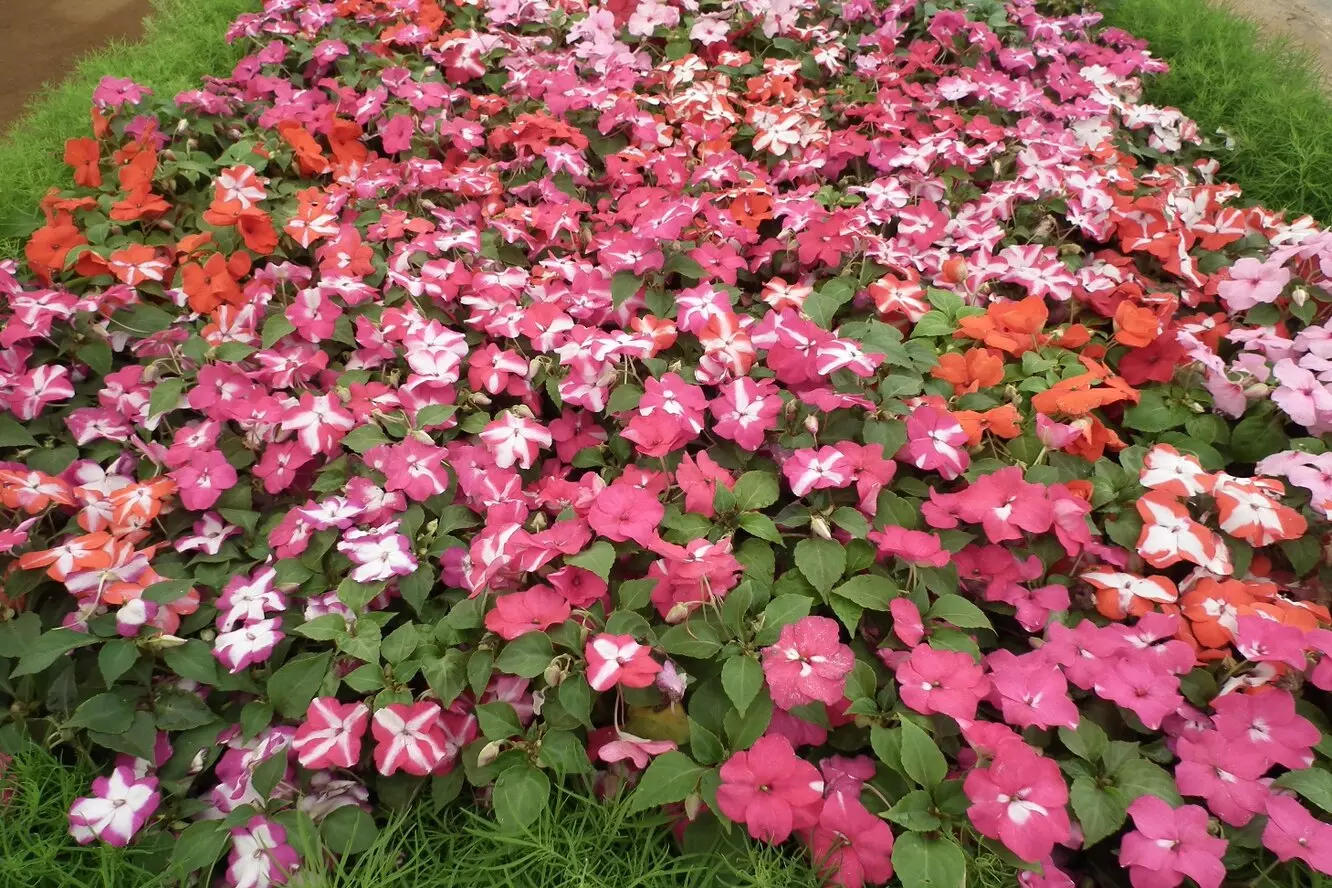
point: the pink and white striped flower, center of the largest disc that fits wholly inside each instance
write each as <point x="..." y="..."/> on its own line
<point x="330" y="736"/>
<point x="409" y="738"/>
<point x="118" y="808"/>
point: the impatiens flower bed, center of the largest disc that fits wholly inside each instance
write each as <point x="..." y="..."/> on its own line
<point x="865" y="426"/>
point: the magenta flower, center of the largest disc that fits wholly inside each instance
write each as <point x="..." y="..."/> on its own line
<point x="622" y="513"/>
<point x="745" y="411"/>
<point x="619" y="660"/>
<point x="1292" y="833"/>
<point x="250" y="644"/>
<point x="771" y="790"/>
<point x="330" y="736"/>
<point x="946" y="682"/>
<point x="907" y="623"/>
<point x="1169" y="844"/>
<point x="808" y="663"/>
<point x="850" y="845"/>
<point x="611" y="745"/>
<point x="1267" y="725"/>
<point x="378" y="554"/>
<point x="935" y="442"/>
<point x="1225" y="774"/>
<point x="118" y="808"/>
<point x="1031" y="691"/>
<point x="409" y="738"/>
<point x="260" y="856"/>
<point x="1020" y="800"/>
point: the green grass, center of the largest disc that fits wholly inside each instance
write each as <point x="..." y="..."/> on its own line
<point x="578" y="843"/>
<point x="183" y="40"/>
<point x="1266" y="94"/>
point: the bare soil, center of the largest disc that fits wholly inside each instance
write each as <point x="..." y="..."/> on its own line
<point x="1307" y="23"/>
<point x="40" y="41"/>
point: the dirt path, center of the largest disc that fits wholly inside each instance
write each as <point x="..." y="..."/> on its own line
<point x="40" y="40"/>
<point x="1306" y="22"/>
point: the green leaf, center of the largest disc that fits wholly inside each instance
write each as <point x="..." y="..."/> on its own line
<point x="275" y="328"/>
<point x="785" y="610"/>
<point x="521" y="795"/>
<point x="1303" y="553"/>
<point x="447" y="675"/>
<point x="1088" y="742"/>
<point x="870" y="591"/>
<point x="1256" y="436"/>
<point x="1100" y="813"/>
<point x="295" y="683"/>
<point x="1153" y="414"/>
<point x="1139" y="777"/>
<point x="498" y="720"/>
<point x="178" y="710"/>
<point x="193" y="660"/>
<point x="362" y="438"/>
<point x="929" y="863"/>
<point x="1314" y="784"/>
<point x="167" y="591"/>
<point x="742" y="677"/>
<point x="199" y="845"/>
<point x="166" y="396"/>
<point x="47" y="649"/>
<point x="144" y="319"/>
<point x="115" y="659"/>
<point x="921" y="758"/>
<point x="822" y="305"/>
<point x="669" y="778"/>
<point x="821" y="561"/>
<point x="623" y="287"/>
<point x="693" y="638"/>
<point x="598" y="558"/>
<point x="14" y="435"/>
<point x="705" y="745"/>
<point x="108" y="713"/>
<point x="933" y="323"/>
<point x="761" y="526"/>
<point x="400" y="643"/>
<point x="851" y="521"/>
<point x="959" y="612"/>
<point x="755" y="490"/>
<point x="348" y="830"/>
<point x="527" y="656"/>
<point x="434" y="414"/>
<point x="564" y="753"/>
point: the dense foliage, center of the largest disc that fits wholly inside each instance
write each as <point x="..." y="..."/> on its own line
<point x="862" y="425"/>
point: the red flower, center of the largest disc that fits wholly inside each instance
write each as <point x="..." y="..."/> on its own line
<point x="770" y="789"/>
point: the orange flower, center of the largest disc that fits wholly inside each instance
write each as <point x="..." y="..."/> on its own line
<point x="84" y="157"/>
<point x="139" y="204"/>
<point x="1002" y="422"/>
<point x="751" y="208"/>
<point x="256" y="229"/>
<point x="1135" y="326"/>
<point x="1094" y="440"/>
<point x="979" y="368"/>
<point x="211" y="284"/>
<point x="1012" y="327"/>
<point x="1078" y="396"/>
<point x="310" y="159"/>
<point x="48" y="247"/>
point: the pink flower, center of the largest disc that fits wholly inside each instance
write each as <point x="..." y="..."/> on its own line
<point x="935" y="442"/>
<point x="250" y="644"/>
<point x="808" y="663"/>
<point x="379" y="554"/>
<point x="1252" y="282"/>
<point x="907" y="623"/>
<point x="1264" y="640"/>
<point x="409" y="738"/>
<point x="1142" y="686"/>
<point x="118" y="808"/>
<point x="1031" y="691"/>
<point x="330" y="736"/>
<point x="771" y="790"/>
<point x="203" y="479"/>
<point x="1266" y="723"/>
<point x="532" y="610"/>
<point x="947" y="682"/>
<point x="698" y="477"/>
<point x="513" y="440"/>
<point x="260" y="856"/>
<point x="610" y="746"/>
<point x="807" y="470"/>
<point x="745" y="411"/>
<point x="1169" y="844"/>
<point x="622" y="513"/>
<point x="1226" y="775"/>
<point x="619" y="660"/>
<point x="1292" y="833"/>
<point x="851" y="845"/>
<point x="1002" y="503"/>
<point x="911" y="546"/>
<point x="1020" y="800"/>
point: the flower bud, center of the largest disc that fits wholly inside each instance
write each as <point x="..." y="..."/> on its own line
<point x="693" y="803"/>
<point x="489" y="753"/>
<point x="812" y="424"/>
<point x="554" y="674"/>
<point x="538" y="702"/>
<point x="1300" y="296"/>
<point x="820" y="527"/>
